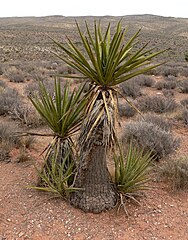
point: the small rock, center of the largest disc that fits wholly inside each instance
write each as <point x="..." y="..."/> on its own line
<point x="21" y="234"/>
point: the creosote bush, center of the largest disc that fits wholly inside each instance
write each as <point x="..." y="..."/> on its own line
<point x="152" y="136"/>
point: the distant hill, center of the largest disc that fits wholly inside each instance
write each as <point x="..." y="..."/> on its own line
<point x="27" y="35"/>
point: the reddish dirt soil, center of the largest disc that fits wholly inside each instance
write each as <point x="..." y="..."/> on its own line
<point x="28" y="214"/>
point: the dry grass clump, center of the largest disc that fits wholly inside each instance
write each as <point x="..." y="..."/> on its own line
<point x="176" y="172"/>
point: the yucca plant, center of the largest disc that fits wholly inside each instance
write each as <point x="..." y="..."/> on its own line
<point x="132" y="173"/>
<point x="105" y="61"/>
<point x="64" y="115"/>
<point x="132" y="170"/>
<point x="57" y="177"/>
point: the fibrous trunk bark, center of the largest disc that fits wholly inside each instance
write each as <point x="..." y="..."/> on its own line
<point x="97" y="190"/>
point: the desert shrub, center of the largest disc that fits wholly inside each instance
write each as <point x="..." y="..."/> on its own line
<point x="126" y="110"/>
<point x="157" y="104"/>
<point x="130" y="89"/>
<point x="144" y="80"/>
<point x="151" y="137"/>
<point x="160" y="85"/>
<point x="33" y="88"/>
<point x="1" y="70"/>
<point x="184" y="72"/>
<point x="176" y="172"/>
<point x="185" y="116"/>
<point x="7" y="139"/>
<point x="170" y="85"/>
<point x="169" y="70"/>
<point x="27" y="115"/>
<point x="165" y="84"/>
<point x="170" y="78"/>
<point x="168" y="93"/>
<point x="14" y="75"/>
<point x="2" y="84"/>
<point x="183" y="86"/>
<point x="157" y="120"/>
<point x="186" y="57"/>
<point x="184" y="103"/>
<point x="9" y="98"/>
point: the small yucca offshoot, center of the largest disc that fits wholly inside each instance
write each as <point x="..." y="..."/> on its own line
<point x="57" y="177"/>
<point x="132" y="171"/>
<point x="63" y="115"/>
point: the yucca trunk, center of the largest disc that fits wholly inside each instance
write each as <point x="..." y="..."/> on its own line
<point x="98" y="192"/>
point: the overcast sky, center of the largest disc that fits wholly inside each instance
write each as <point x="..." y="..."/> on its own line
<point x="172" y="8"/>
